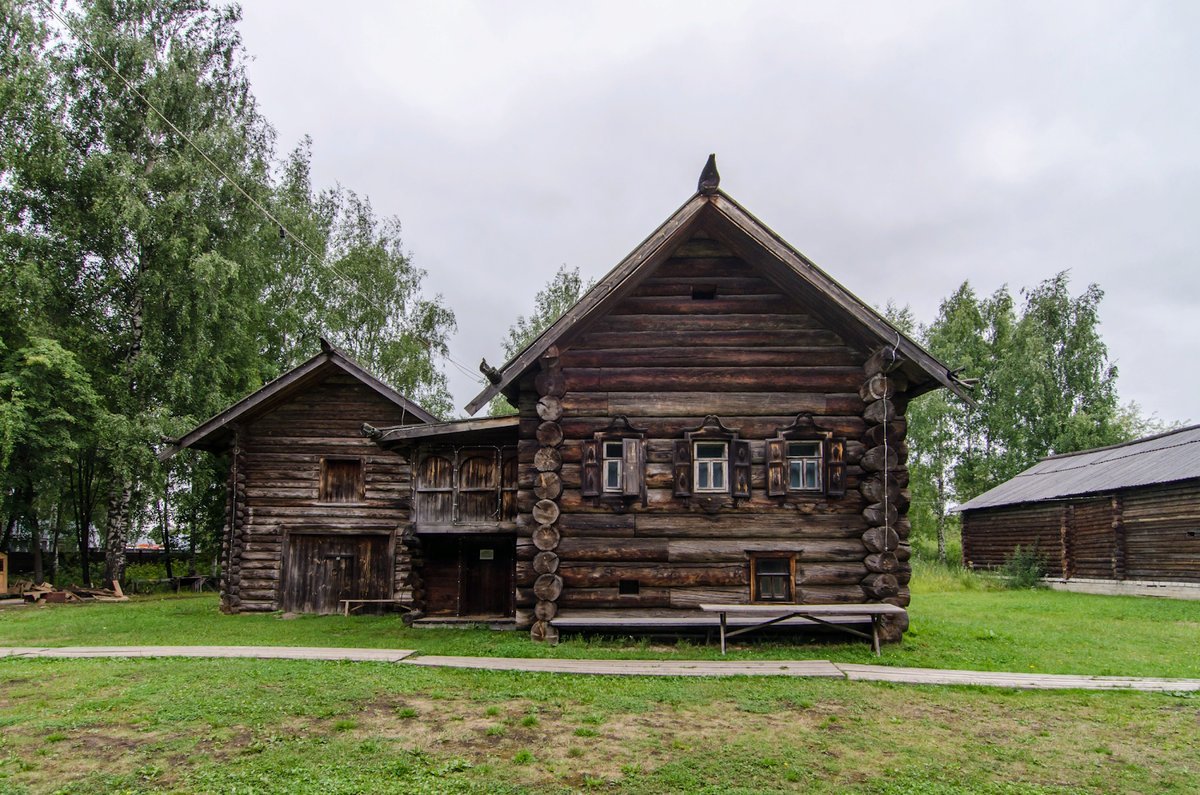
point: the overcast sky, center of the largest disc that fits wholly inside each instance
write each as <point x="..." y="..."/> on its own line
<point x="904" y="147"/>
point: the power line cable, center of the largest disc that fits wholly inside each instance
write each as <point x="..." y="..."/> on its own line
<point x="234" y="183"/>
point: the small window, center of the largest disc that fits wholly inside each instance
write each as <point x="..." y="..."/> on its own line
<point x="706" y="293"/>
<point x="611" y="466"/>
<point x="628" y="588"/>
<point x="711" y="461"/>
<point x="804" y="466"/>
<point x="773" y="577"/>
<point x="341" y="480"/>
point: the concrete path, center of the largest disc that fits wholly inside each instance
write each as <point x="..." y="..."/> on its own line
<point x="807" y="668"/>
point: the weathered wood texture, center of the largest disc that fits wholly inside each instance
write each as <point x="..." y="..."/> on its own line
<point x="1149" y="533"/>
<point x="704" y="333"/>
<point x="989" y="537"/>
<point x="276" y="500"/>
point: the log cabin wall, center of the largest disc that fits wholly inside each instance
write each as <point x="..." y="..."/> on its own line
<point x="1149" y="533"/>
<point x="705" y="333"/>
<point x="277" y="496"/>
<point x="990" y="536"/>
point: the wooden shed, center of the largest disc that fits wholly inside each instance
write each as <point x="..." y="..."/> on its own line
<point x="314" y="509"/>
<point x="716" y="421"/>
<point x="1129" y="512"/>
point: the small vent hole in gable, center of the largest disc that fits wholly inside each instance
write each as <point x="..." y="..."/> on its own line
<point x="628" y="588"/>
<point x="706" y="293"/>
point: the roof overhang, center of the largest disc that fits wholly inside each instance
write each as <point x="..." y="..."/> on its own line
<point x="489" y="430"/>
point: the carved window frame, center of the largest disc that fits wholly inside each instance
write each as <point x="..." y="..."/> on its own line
<point x="833" y="460"/>
<point x="737" y="472"/>
<point x="595" y="459"/>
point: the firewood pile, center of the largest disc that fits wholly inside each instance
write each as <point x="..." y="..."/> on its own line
<point x="48" y="594"/>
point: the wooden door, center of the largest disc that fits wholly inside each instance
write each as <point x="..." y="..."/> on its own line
<point x="487" y="581"/>
<point x="321" y="570"/>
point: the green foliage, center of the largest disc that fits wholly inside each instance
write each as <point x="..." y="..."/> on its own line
<point x="1023" y="568"/>
<point x="1044" y="385"/>
<point x="562" y="292"/>
<point x="141" y="289"/>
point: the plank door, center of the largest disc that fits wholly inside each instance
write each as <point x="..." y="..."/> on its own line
<point x="487" y="582"/>
<point x="321" y="570"/>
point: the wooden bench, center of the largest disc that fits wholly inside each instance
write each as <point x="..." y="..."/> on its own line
<point x="404" y="604"/>
<point x="820" y="614"/>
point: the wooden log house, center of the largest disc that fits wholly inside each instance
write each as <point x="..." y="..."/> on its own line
<point x="313" y="508"/>
<point x="1119" y="514"/>
<point x="716" y="421"/>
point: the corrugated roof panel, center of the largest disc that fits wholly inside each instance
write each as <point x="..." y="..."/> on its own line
<point x="1163" y="458"/>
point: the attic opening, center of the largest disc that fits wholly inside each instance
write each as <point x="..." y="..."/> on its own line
<point x="704" y="292"/>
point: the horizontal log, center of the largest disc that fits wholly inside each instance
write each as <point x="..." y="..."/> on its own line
<point x="611" y="597"/>
<point x="729" y="551"/>
<point x="671" y="358"/>
<point x="647" y="550"/>
<point x="576" y="575"/>
<point x="713" y="379"/>
<point x="684" y="404"/>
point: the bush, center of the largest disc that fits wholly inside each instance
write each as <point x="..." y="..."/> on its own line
<point x="1023" y="569"/>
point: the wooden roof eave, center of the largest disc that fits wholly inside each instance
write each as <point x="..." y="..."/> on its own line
<point x="456" y="430"/>
<point x="731" y="217"/>
<point x="614" y="285"/>
<point x="210" y="433"/>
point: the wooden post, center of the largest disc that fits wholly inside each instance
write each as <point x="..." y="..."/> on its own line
<point x="3" y="573"/>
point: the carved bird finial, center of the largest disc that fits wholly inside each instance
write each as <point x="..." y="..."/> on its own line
<point x="492" y="373"/>
<point x="710" y="180"/>
<point x="326" y="345"/>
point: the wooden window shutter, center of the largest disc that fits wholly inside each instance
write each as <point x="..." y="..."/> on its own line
<point x="590" y="484"/>
<point x="633" y="465"/>
<point x="739" y="459"/>
<point x="682" y="461"/>
<point x="835" y="468"/>
<point x="777" y="467"/>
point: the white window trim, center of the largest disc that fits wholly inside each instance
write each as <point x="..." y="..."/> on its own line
<point x="819" y="458"/>
<point x="605" y="459"/>
<point x="697" y="462"/>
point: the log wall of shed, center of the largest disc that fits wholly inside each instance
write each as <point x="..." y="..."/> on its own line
<point x="704" y="333"/>
<point x="1149" y="533"/>
<point x="276" y="478"/>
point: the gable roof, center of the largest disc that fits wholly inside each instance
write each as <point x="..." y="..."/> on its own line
<point x="214" y="434"/>
<point x="1163" y="458"/>
<point x="716" y="213"/>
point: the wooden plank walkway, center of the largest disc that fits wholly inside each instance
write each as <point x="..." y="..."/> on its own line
<point x="798" y="668"/>
<point x="1023" y="681"/>
<point x="638" y="667"/>
<point x="253" y="652"/>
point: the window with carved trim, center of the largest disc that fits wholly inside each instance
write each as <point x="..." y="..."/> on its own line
<point x="613" y="462"/>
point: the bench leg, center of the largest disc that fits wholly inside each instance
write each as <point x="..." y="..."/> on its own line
<point x="875" y="635"/>
<point x="722" y="633"/>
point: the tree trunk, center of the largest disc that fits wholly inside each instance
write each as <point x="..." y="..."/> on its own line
<point x="118" y="532"/>
<point x="166" y="537"/>
<point x="55" y="535"/>
<point x="83" y="497"/>
<point x="8" y="530"/>
<point x="940" y="507"/>
<point x="35" y="541"/>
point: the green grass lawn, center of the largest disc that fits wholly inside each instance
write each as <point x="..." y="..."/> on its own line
<point x="250" y="726"/>
<point x="960" y="627"/>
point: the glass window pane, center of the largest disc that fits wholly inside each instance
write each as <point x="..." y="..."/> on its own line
<point x="794" y="480"/>
<point x="774" y="566"/>
<point x="702" y="477"/>
<point x="710" y="450"/>
<point x="718" y="474"/>
<point x="612" y="474"/>
<point x="804" y="449"/>
<point x="612" y="450"/>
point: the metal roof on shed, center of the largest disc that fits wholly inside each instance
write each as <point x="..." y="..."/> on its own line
<point x="1163" y="458"/>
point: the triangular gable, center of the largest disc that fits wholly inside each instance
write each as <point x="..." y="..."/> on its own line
<point x="718" y="214"/>
<point x="212" y="434"/>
